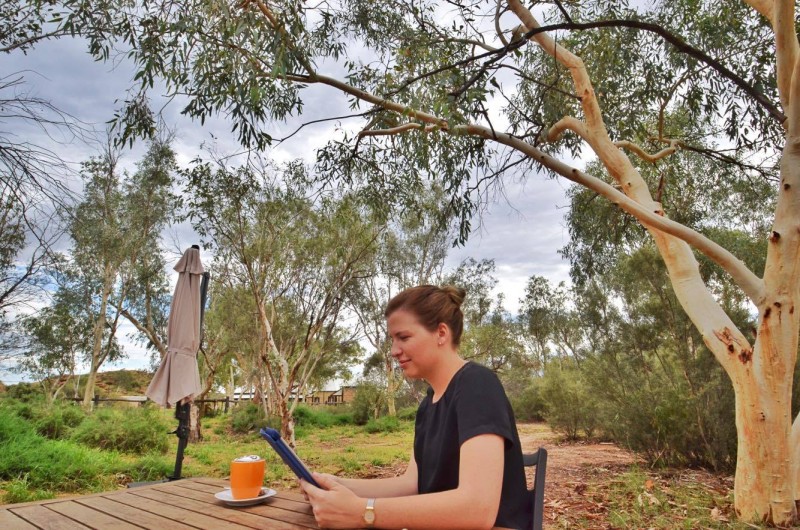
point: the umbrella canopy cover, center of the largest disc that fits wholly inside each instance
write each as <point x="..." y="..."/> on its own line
<point x="178" y="377"/>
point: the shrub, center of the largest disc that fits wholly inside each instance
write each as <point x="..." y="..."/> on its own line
<point x="48" y="465"/>
<point x="20" y="490"/>
<point x="307" y="417"/>
<point x="369" y="402"/>
<point x="57" y="422"/>
<point x="678" y="411"/>
<point x="529" y="405"/>
<point x="22" y="409"/>
<point x="13" y="427"/>
<point x="407" y="413"/>
<point x="247" y="418"/>
<point x="25" y="392"/>
<point x="322" y="416"/>
<point x="383" y="424"/>
<point x="139" y="430"/>
<point x="570" y="407"/>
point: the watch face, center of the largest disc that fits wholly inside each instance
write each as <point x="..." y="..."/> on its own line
<point x="369" y="516"/>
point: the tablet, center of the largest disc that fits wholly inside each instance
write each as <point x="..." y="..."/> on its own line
<point x="287" y="455"/>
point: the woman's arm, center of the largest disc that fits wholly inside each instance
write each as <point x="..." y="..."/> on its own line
<point x="473" y="504"/>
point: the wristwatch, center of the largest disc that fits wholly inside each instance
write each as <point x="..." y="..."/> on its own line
<point x="369" y="513"/>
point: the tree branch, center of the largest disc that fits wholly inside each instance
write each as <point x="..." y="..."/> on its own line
<point x="751" y="284"/>
<point x="673" y="146"/>
<point x="379" y="101"/>
<point x="406" y="127"/>
<point x="321" y="120"/>
<point x="786" y="48"/>
<point x="526" y="77"/>
<point x="765" y="7"/>
<point x="284" y="34"/>
<point x="497" y="13"/>
<point x="676" y="41"/>
<point x="568" y="123"/>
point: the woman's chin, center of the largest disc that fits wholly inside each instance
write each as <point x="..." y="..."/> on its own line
<point x="409" y="372"/>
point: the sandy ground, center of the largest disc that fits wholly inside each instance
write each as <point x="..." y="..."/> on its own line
<point x="569" y="468"/>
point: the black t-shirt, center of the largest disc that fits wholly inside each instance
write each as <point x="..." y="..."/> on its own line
<point x="474" y="403"/>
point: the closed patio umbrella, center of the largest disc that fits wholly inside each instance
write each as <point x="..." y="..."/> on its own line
<point x="177" y="377"/>
<point x="177" y="380"/>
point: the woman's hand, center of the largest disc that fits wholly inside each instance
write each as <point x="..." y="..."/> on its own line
<point x="334" y="506"/>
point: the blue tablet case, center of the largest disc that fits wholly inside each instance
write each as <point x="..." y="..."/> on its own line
<point x="287" y="455"/>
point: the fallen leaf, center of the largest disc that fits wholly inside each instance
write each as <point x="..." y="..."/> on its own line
<point x="648" y="484"/>
<point x="716" y="514"/>
<point x="652" y="499"/>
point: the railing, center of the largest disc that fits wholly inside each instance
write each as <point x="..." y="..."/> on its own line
<point x="226" y="401"/>
<point x="141" y="400"/>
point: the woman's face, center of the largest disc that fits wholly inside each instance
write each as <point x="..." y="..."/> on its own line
<point x="414" y="347"/>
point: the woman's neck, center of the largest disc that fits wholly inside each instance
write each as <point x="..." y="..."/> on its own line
<point x="440" y="379"/>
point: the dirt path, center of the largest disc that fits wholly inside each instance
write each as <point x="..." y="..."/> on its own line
<point x="569" y="468"/>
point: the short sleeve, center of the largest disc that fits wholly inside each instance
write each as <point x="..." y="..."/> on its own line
<point x="482" y="406"/>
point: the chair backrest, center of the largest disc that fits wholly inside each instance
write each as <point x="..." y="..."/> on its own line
<point x="538" y="459"/>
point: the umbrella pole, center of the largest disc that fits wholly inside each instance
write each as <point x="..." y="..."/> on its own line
<point x="182" y="432"/>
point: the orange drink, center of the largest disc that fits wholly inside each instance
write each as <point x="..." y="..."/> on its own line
<point x="247" y="477"/>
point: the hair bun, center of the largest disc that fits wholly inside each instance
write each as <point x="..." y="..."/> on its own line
<point x="456" y="294"/>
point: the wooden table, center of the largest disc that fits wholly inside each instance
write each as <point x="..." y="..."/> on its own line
<point x="180" y="505"/>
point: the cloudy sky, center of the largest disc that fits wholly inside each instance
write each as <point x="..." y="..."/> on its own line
<point x="522" y="233"/>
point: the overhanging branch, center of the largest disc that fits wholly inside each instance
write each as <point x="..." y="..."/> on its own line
<point x="752" y="285"/>
<point x="676" y="41"/>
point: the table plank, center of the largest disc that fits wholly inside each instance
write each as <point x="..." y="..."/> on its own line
<point x="210" y="507"/>
<point x="174" y="513"/>
<point x="187" y="504"/>
<point x="285" y="494"/>
<point x="46" y="519"/>
<point x="278" y="501"/>
<point x="273" y="508"/>
<point x="129" y="513"/>
<point x="91" y="517"/>
<point x="9" y="520"/>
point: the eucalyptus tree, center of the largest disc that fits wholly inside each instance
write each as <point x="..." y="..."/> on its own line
<point x="295" y="253"/>
<point x="490" y="334"/>
<point x="30" y="195"/>
<point x="596" y="73"/>
<point x="549" y="325"/>
<point x="411" y="250"/>
<point x="115" y="231"/>
<point x="57" y="338"/>
<point x="34" y="178"/>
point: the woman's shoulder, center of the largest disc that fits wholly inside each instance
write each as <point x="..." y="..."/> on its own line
<point x="474" y="373"/>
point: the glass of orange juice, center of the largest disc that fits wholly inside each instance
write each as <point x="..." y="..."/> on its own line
<point x="247" y="477"/>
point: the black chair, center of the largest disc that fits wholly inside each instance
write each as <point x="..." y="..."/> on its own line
<point x="538" y="459"/>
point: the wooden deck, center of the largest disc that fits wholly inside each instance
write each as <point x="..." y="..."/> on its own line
<point x="180" y="505"/>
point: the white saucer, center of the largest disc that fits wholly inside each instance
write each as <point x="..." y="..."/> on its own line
<point x="226" y="497"/>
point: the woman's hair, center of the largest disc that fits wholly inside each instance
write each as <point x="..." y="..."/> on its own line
<point x="432" y="305"/>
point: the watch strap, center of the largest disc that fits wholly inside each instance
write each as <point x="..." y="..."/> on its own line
<point x="369" y="513"/>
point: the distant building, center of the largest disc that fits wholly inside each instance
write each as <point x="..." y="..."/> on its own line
<point x="343" y="396"/>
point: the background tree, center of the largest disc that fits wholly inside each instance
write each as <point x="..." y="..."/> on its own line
<point x="31" y="193"/>
<point x="58" y="338"/>
<point x="490" y="336"/>
<point x="411" y="250"/>
<point x="295" y="257"/>
<point x="116" y="249"/>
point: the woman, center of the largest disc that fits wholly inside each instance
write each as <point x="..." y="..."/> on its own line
<point x="466" y="470"/>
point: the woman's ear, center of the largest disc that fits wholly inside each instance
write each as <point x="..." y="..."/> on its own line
<point x="443" y="333"/>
